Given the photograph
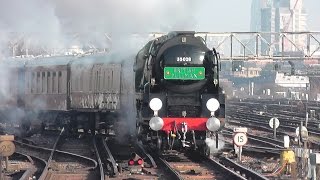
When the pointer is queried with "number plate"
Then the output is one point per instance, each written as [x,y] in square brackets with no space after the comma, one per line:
[184,73]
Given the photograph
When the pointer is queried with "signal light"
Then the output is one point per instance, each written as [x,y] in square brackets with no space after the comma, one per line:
[131,162]
[140,161]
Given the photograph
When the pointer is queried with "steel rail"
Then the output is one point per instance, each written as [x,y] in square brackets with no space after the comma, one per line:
[243,170]
[143,151]
[46,169]
[172,171]
[31,171]
[102,177]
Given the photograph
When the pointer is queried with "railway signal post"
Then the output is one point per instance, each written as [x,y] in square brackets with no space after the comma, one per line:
[274,123]
[302,134]
[240,139]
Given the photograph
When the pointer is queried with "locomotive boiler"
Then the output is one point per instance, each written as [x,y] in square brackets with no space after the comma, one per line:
[179,100]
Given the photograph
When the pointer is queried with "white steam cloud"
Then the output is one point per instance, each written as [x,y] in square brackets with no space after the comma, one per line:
[56,24]
[40,25]
[211,143]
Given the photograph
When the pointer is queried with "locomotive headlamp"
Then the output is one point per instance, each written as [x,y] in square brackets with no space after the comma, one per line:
[156,123]
[213,124]
[155,104]
[213,104]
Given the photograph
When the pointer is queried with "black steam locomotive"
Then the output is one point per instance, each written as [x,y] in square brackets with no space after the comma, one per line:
[179,100]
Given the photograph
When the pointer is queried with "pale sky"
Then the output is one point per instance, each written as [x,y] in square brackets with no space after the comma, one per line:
[234,15]
[48,23]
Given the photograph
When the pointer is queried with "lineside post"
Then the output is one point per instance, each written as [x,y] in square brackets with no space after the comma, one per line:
[240,139]
[1,167]
[274,130]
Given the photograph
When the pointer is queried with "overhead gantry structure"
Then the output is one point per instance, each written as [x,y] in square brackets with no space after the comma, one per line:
[247,46]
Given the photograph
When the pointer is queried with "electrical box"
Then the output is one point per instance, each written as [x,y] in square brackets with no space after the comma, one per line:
[286,140]
[287,156]
[300,152]
[314,158]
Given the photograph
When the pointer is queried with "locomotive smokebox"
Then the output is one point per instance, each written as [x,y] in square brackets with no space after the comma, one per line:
[179,62]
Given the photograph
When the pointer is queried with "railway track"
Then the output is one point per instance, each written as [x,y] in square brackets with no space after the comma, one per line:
[107,164]
[248,116]
[67,157]
[22,166]
[195,166]
[119,156]
[241,169]
[183,167]
[39,154]
[286,123]
[289,115]
[261,156]
[75,161]
[258,139]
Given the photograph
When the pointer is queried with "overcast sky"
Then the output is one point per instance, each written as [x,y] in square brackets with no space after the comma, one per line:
[234,15]
[49,23]
[134,15]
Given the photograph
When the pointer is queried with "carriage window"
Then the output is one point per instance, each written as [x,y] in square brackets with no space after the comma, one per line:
[97,82]
[90,82]
[29,80]
[43,81]
[33,82]
[48,82]
[53,82]
[104,80]
[38,86]
[81,82]
[59,82]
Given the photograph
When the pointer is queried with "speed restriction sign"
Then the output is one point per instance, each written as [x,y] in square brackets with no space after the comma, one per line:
[240,139]
[7,148]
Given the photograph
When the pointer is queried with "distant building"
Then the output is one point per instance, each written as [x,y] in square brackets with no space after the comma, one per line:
[315,88]
[279,16]
[255,24]
[250,72]
[290,86]
[291,81]
[268,24]
[293,18]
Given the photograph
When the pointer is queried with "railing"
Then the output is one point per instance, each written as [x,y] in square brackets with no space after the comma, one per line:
[262,45]
[248,46]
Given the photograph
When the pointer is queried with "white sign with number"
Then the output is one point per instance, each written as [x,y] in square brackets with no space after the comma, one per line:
[240,139]
[277,123]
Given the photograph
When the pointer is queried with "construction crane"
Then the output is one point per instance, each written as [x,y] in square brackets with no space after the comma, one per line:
[286,26]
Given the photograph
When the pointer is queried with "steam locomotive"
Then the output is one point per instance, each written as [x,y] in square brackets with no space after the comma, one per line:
[179,101]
